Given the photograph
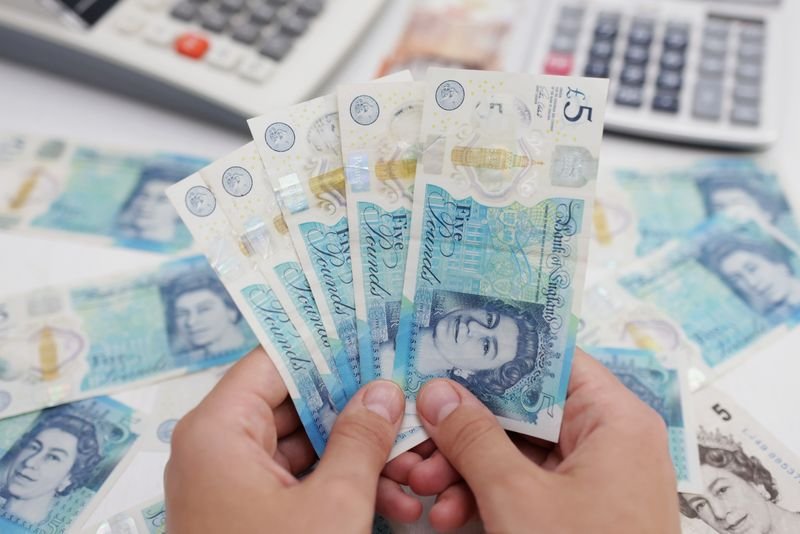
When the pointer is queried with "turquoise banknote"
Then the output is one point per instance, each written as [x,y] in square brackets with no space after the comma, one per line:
[642,205]
[62,344]
[300,148]
[751,481]
[240,186]
[499,237]
[260,306]
[54,462]
[730,287]
[380,145]
[104,195]
[660,380]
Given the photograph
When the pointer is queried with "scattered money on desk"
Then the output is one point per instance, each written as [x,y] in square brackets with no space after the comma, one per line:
[103,195]
[66,343]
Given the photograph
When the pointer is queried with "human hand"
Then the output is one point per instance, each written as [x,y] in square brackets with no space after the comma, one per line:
[610,472]
[236,456]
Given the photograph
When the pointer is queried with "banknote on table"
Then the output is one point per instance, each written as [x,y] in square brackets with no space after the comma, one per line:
[54,463]
[641,205]
[259,305]
[751,480]
[660,381]
[380,144]
[730,288]
[499,237]
[240,186]
[105,195]
[149,517]
[62,344]
[300,148]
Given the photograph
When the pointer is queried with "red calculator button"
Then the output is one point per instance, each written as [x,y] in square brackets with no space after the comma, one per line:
[558,64]
[191,45]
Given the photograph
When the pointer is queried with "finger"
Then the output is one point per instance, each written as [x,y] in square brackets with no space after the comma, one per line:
[468,435]
[395,504]
[399,468]
[433,475]
[361,440]
[588,371]
[286,419]
[295,452]
[453,508]
[253,376]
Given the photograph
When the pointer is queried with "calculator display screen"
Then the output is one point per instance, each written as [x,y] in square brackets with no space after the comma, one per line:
[88,11]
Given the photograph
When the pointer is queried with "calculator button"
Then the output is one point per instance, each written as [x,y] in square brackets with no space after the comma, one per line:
[636,55]
[745,115]
[676,38]
[223,57]
[672,59]
[752,33]
[184,11]
[607,26]
[632,75]
[712,67]
[569,26]
[666,101]
[750,51]
[713,46]
[191,45]
[563,43]
[628,95]
[641,32]
[262,13]
[279,2]
[293,24]
[256,69]
[309,8]
[129,24]
[717,29]
[670,80]
[748,71]
[558,64]
[159,34]
[231,6]
[213,20]
[602,50]
[571,12]
[596,69]
[707,100]
[746,93]
[276,46]
[246,33]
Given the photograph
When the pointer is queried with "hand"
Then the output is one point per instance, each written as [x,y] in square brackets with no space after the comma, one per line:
[610,472]
[235,459]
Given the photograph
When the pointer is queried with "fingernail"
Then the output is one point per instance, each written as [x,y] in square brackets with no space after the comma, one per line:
[437,400]
[385,399]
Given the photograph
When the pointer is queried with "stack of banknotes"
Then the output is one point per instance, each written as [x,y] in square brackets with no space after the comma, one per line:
[401,230]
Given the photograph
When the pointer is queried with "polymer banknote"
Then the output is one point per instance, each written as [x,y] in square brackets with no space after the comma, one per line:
[728,289]
[499,235]
[105,195]
[149,517]
[751,481]
[242,191]
[259,305]
[660,381]
[380,125]
[301,151]
[641,205]
[62,344]
[55,462]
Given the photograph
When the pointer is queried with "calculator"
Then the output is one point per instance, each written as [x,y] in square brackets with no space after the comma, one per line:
[224,60]
[695,72]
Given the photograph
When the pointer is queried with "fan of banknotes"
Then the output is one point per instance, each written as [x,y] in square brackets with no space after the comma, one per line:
[408,230]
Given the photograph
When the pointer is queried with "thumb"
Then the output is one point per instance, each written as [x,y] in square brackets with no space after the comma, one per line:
[362,438]
[469,436]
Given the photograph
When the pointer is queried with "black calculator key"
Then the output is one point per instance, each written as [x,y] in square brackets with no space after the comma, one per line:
[670,80]
[246,33]
[707,102]
[628,95]
[293,24]
[715,47]
[213,19]
[746,93]
[263,13]
[602,49]
[278,2]
[596,69]
[310,8]
[636,55]
[632,75]
[641,33]
[676,38]
[666,101]
[184,11]
[747,115]
[276,46]
[712,67]
[672,60]
[231,6]
[607,26]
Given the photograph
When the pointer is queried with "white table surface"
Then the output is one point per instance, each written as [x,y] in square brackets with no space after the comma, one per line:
[33,101]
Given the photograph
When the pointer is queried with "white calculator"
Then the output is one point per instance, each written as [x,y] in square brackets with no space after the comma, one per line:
[225,60]
[699,72]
